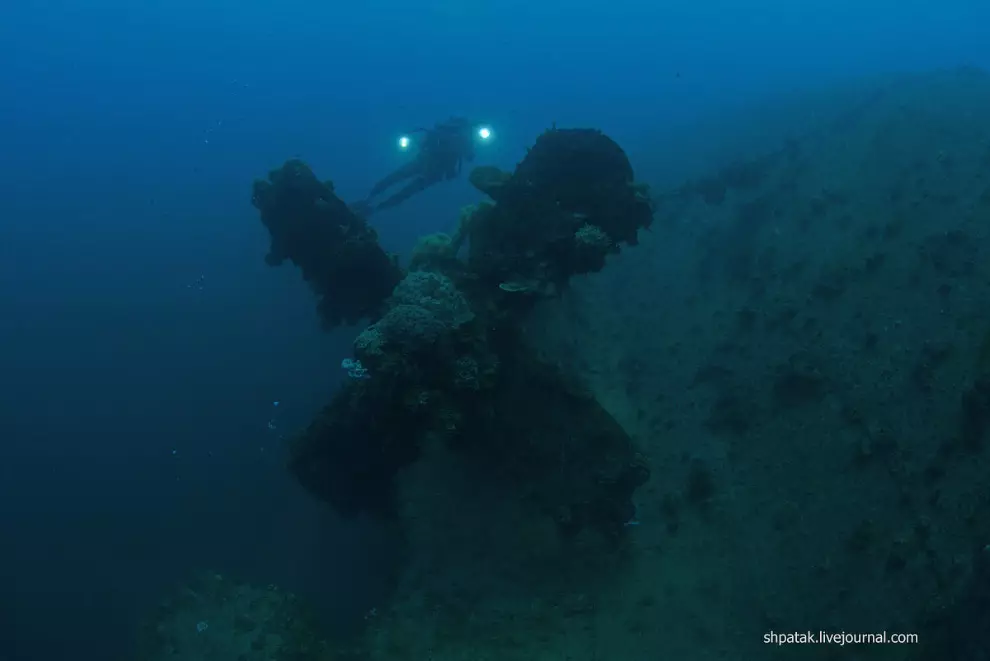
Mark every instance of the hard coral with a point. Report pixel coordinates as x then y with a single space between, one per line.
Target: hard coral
336 250
568 204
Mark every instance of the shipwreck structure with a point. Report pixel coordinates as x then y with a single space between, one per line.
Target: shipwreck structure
443 360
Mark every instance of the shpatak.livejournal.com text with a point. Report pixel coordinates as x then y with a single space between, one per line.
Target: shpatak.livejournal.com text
838 638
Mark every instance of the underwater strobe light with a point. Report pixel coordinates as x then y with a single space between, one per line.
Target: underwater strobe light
485 132
404 142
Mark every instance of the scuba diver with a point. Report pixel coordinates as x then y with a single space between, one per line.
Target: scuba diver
440 155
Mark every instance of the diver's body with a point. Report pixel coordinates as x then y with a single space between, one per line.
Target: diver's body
440 155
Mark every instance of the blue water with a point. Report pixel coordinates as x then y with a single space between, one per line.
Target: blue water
143 341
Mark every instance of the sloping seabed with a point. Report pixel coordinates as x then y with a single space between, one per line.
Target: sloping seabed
801 344
806 356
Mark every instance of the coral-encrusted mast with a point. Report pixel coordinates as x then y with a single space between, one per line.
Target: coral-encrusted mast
443 361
